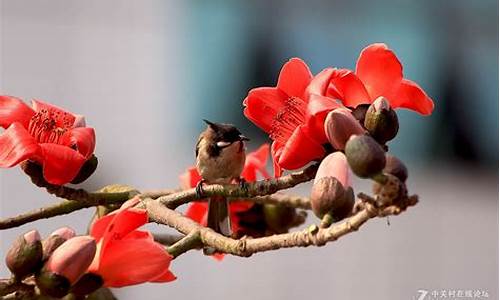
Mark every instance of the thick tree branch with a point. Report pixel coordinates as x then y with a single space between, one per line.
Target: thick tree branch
190 241
246 247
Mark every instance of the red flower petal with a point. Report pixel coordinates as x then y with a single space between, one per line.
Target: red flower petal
62 117
133 261
190 178
294 78
197 211
317 109
60 163
276 150
379 69
299 150
410 95
347 87
319 83
165 277
17 145
256 162
13 110
262 105
120 222
83 138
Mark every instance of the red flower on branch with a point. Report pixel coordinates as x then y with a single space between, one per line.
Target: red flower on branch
378 73
126 256
56 139
284 112
255 163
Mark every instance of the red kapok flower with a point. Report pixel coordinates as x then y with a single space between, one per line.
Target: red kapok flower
378 73
126 256
283 112
56 139
255 163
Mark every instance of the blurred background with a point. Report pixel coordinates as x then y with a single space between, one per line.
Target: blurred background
146 72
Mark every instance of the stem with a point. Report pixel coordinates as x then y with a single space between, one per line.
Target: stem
190 241
64 207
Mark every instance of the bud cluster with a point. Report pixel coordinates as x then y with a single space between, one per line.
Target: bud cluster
359 136
57 265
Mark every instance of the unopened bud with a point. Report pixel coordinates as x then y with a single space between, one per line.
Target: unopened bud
86 170
279 218
359 112
390 192
365 156
87 284
335 165
396 167
25 255
66 265
56 239
381 121
340 124
326 193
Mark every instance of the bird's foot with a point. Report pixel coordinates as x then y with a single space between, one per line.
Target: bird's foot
243 184
199 189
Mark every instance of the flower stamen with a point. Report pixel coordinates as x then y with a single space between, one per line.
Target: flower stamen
288 119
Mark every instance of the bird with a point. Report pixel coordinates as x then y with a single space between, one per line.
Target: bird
220 158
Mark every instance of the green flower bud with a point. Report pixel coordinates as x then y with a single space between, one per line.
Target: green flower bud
25 255
87 284
86 170
52 284
365 156
381 121
396 167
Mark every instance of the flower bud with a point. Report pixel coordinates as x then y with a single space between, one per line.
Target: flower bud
25 255
332 192
66 265
381 121
365 156
87 169
56 239
279 218
340 124
359 112
396 167
87 284
390 192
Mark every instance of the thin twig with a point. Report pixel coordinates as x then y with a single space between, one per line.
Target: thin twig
190 241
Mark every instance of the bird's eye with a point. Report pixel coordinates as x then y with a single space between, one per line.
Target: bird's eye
223 144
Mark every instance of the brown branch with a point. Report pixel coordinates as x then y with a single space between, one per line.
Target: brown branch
246 247
64 207
252 189
78 199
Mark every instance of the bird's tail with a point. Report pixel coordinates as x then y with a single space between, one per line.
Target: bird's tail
218 218
218 215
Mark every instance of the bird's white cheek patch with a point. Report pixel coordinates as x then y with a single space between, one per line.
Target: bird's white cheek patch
223 144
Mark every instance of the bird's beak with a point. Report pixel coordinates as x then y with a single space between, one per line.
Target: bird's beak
243 138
